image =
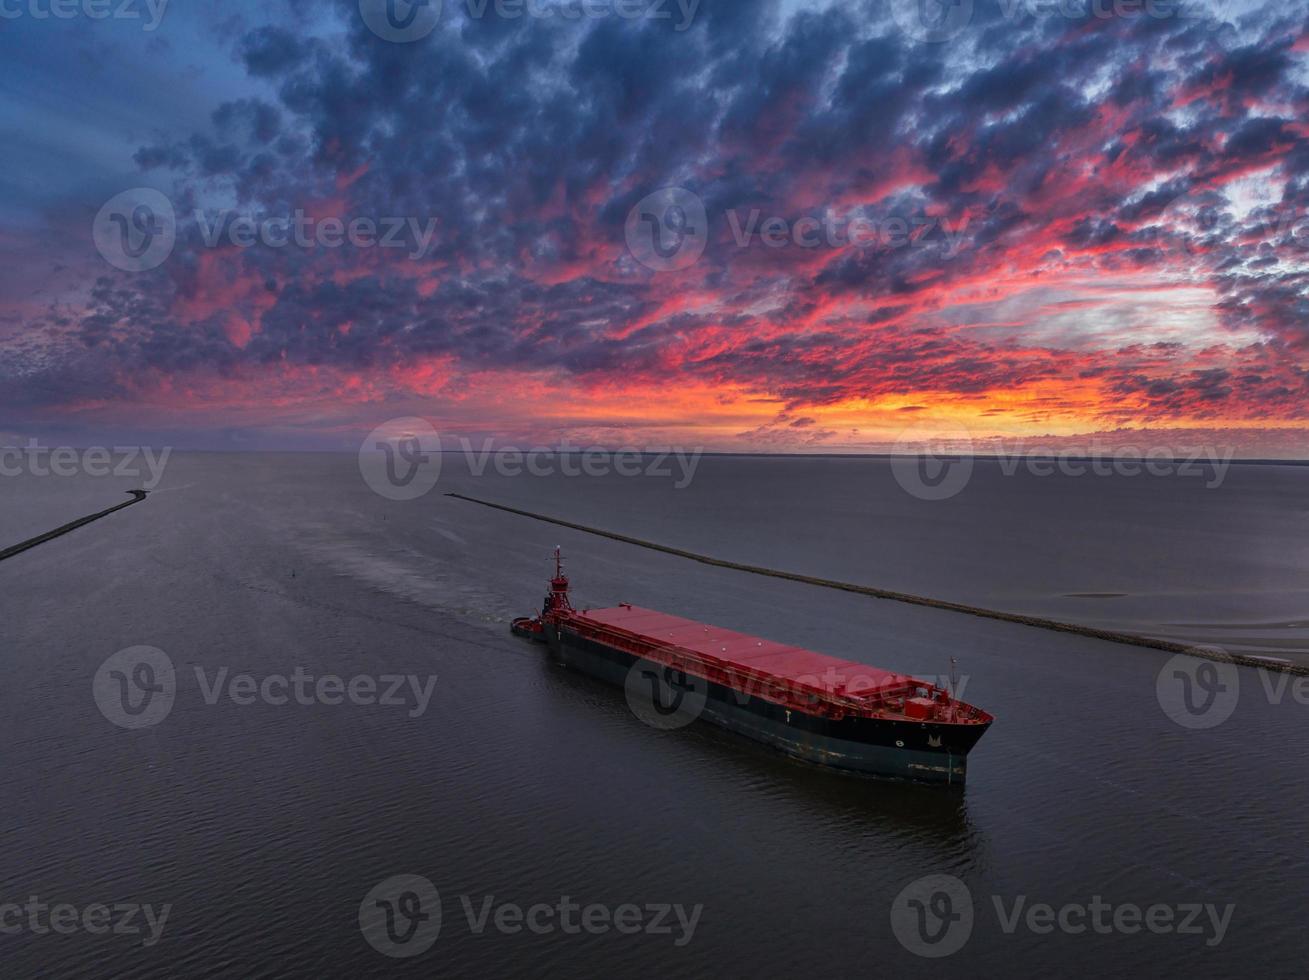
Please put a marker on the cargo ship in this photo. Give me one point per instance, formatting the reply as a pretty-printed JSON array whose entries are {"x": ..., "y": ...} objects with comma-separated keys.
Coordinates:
[{"x": 834, "y": 713}]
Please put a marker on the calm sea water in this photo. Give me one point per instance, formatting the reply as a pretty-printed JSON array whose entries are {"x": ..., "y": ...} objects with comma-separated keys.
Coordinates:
[{"x": 263, "y": 827}]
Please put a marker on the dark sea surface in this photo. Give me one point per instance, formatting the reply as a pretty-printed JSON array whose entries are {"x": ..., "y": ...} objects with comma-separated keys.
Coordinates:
[{"x": 264, "y": 826}]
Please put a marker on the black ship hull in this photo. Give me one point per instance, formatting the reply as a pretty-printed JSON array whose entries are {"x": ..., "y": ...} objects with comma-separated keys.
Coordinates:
[{"x": 924, "y": 751}]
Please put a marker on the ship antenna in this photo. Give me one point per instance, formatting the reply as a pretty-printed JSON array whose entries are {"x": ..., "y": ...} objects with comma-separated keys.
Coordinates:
[{"x": 559, "y": 563}]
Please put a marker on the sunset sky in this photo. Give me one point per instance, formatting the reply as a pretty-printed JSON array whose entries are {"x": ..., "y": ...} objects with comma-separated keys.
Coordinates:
[{"x": 1066, "y": 224}]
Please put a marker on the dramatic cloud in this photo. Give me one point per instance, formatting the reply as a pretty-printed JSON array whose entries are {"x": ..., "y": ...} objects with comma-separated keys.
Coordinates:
[{"x": 1034, "y": 222}]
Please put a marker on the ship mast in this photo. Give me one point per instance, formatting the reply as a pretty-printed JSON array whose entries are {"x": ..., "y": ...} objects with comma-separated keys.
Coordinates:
[{"x": 559, "y": 601}]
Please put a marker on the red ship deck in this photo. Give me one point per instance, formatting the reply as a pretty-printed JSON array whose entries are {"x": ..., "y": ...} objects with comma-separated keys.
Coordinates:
[{"x": 750, "y": 656}]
